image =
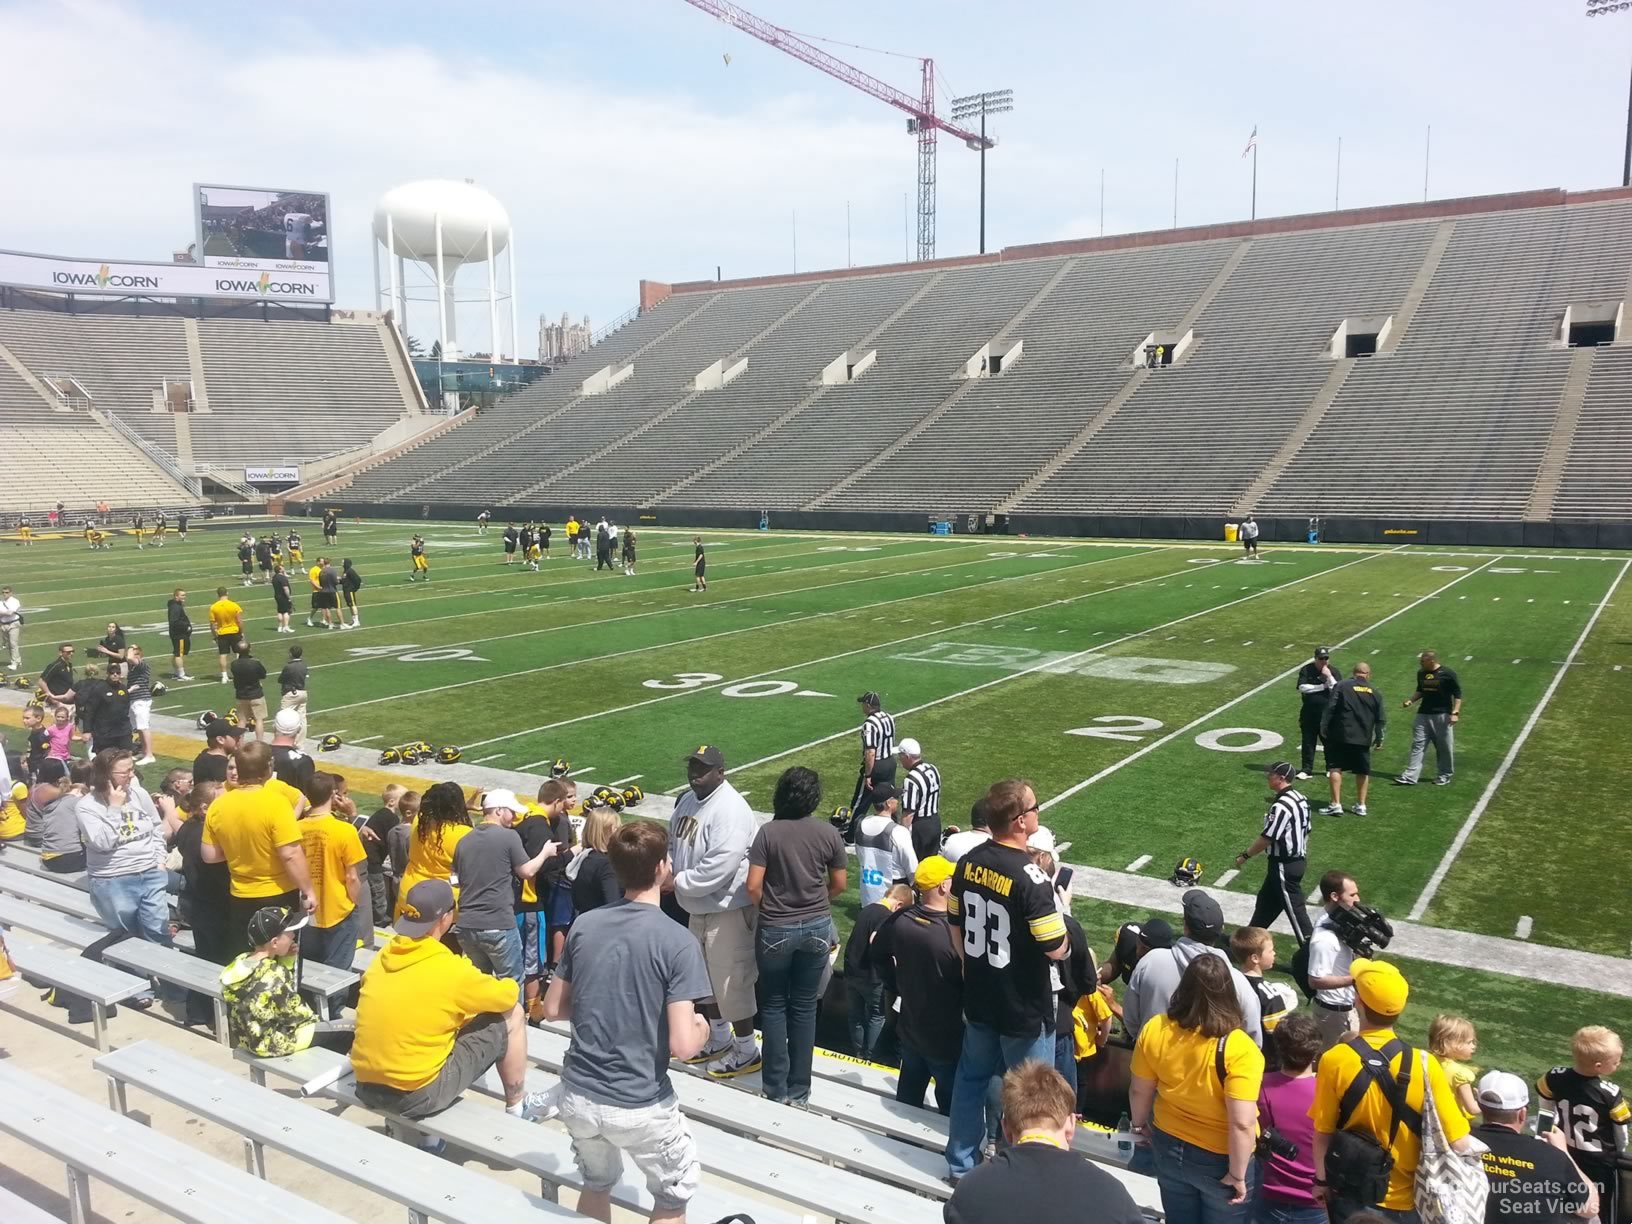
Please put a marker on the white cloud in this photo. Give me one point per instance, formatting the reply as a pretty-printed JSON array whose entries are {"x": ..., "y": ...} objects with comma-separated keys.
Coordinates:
[{"x": 602, "y": 188}]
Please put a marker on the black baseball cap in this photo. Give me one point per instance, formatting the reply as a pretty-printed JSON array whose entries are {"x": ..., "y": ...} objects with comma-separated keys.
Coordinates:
[
  {"x": 1322, "y": 652},
  {"x": 1203, "y": 916},
  {"x": 1156, "y": 933},
  {"x": 222, "y": 727},
  {"x": 882, "y": 792},
  {"x": 1283, "y": 770},
  {"x": 708, "y": 754},
  {"x": 267, "y": 924},
  {"x": 870, "y": 698}
]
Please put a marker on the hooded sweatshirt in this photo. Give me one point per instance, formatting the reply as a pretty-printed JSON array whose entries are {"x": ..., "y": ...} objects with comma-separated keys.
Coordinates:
[
  {"x": 416, "y": 996},
  {"x": 708, "y": 841},
  {"x": 1157, "y": 976},
  {"x": 265, "y": 1013}
]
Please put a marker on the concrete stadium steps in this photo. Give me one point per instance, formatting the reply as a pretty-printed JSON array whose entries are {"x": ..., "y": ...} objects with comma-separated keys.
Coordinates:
[
  {"x": 918, "y": 357},
  {"x": 1596, "y": 481},
  {"x": 77, "y": 462},
  {"x": 1456, "y": 422},
  {"x": 781, "y": 370}
]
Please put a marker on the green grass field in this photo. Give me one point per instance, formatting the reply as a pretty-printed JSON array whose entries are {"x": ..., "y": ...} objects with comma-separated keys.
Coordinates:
[{"x": 1141, "y": 686}]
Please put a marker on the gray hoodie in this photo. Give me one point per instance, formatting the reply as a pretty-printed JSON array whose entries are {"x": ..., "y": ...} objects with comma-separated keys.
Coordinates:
[
  {"x": 708, "y": 842},
  {"x": 121, "y": 841},
  {"x": 1157, "y": 976}
]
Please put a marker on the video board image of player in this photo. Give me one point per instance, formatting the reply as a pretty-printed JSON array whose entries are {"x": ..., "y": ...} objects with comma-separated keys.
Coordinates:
[{"x": 251, "y": 224}]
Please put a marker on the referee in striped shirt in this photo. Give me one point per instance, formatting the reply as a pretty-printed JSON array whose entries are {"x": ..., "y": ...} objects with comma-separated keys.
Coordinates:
[
  {"x": 921, "y": 799},
  {"x": 1286, "y": 840},
  {"x": 877, "y": 754}
]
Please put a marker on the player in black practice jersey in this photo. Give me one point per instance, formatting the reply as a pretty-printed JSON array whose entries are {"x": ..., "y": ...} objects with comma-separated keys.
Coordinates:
[
  {"x": 416, "y": 554},
  {"x": 1004, "y": 908},
  {"x": 629, "y": 551},
  {"x": 512, "y": 537},
  {"x": 263, "y": 556},
  {"x": 296, "y": 557},
  {"x": 246, "y": 559},
  {"x": 544, "y": 540},
  {"x": 1594, "y": 1118},
  {"x": 181, "y": 526},
  {"x": 699, "y": 566},
  {"x": 482, "y": 521},
  {"x": 331, "y": 526},
  {"x": 282, "y": 597}
]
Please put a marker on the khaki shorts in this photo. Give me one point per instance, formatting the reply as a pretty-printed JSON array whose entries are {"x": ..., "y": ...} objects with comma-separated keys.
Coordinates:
[
  {"x": 728, "y": 951},
  {"x": 655, "y": 1137}
]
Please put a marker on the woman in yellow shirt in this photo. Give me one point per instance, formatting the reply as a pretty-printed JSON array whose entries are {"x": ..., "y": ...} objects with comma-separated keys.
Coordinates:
[
  {"x": 442, "y": 821},
  {"x": 1196, "y": 1078}
]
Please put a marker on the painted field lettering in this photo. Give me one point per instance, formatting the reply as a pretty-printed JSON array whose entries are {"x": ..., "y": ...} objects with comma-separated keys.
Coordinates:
[
  {"x": 1261, "y": 741},
  {"x": 1154, "y": 671},
  {"x": 684, "y": 680},
  {"x": 1122, "y": 726}
]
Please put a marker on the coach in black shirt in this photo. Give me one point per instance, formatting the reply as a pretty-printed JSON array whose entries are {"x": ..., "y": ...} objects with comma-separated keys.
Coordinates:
[
  {"x": 58, "y": 676},
  {"x": 1316, "y": 680},
  {"x": 1038, "y": 1177},
  {"x": 1353, "y": 726},
  {"x": 1439, "y": 701}
]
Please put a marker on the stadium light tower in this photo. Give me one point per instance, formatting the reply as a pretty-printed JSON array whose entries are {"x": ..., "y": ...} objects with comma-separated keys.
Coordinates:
[
  {"x": 992, "y": 102},
  {"x": 1603, "y": 8}
]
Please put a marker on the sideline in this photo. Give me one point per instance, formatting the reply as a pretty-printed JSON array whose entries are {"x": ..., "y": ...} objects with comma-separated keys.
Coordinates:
[{"x": 1468, "y": 825}]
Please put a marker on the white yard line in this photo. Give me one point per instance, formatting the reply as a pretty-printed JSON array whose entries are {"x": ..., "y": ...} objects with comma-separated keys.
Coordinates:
[
  {"x": 1250, "y": 693},
  {"x": 486, "y": 759},
  {"x": 622, "y": 781},
  {"x": 1468, "y": 825},
  {"x": 776, "y": 624},
  {"x": 1067, "y": 659},
  {"x": 575, "y": 772},
  {"x": 1223, "y": 880},
  {"x": 1525, "y": 925},
  {"x": 367, "y": 739},
  {"x": 1137, "y": 863}
]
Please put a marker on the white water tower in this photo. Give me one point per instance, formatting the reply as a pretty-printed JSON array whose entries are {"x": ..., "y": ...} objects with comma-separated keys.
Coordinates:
[{"x": 444, "y": 225}]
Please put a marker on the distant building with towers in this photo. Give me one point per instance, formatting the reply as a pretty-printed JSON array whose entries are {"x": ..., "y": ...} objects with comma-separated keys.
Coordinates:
[{"x": 559, "y": 341}]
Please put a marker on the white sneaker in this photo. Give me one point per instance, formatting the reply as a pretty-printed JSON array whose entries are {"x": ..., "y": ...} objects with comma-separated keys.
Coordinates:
[
  {"x": 1303, "y": 777},
  {"x": 1360, "y": 809},
  {"x": 737, "y": 1062},
  {"x": 183, "y": 676},
  {"x": 223, "y": 677},
  {"x": 1332, "y": 809},
  {"x": 146, "y": 760}
]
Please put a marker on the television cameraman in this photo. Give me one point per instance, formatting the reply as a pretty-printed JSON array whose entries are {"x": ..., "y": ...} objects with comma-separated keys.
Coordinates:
[{"x": 1345, "y": 931}]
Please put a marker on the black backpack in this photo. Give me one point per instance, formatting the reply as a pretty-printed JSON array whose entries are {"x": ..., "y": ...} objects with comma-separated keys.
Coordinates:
[
  {"x": 1358, "y": 1165},
  {"x": 1300, "y": 970}
]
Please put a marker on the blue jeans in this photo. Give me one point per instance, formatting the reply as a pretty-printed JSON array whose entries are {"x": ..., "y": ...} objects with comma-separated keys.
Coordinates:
[
  {"x": 495, "y": 952},
  {"x": 1285, "y": 1213},
  {"x": 791, "y": 959},
  {"x": 135, "y": 904},
  {"x": 335, "y": 946},
  {"x": 1065, "y": 1058},
  {"x": 866, "y": 999},
  {"x": 1188, "y": 1178},
  {"x": 986, "y": 1053}
]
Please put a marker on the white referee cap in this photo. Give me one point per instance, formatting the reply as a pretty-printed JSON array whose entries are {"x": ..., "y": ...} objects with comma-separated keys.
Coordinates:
[{"x": 910, "y": 747}]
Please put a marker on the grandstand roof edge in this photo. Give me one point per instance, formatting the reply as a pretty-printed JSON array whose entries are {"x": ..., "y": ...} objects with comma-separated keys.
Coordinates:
[{"x": 653, "y": 292}]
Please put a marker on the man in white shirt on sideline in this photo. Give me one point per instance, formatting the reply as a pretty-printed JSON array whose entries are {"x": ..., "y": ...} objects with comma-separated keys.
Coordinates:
[
  {"x": 709, "y": 835},
  {"x": 11, "y": 628},
  {"x": 884, "y": 851},
  {"x": 1330, "y": 960}
]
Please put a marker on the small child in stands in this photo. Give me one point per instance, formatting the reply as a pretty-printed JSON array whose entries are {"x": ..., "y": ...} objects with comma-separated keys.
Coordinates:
[
  {"x": 265, "y": 1013},
  {"x": 396, "y": 843},
  {"x": 1453, "y": 1041},
  {"x": 1252, "y": 951},
  {"x": 1597, "y": 1129}
]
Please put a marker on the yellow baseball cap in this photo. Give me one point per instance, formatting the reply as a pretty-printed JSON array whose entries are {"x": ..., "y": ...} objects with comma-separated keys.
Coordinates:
[
  {"x": 1380, "y": 985},
  {"x": 933, "y": 872}
]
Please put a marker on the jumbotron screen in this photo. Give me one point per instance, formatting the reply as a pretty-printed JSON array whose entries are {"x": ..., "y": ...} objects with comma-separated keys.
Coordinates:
[{"x": 260, "y": 229}]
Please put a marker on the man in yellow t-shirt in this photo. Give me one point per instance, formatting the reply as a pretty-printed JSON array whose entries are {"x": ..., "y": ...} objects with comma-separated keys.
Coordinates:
[
  {"x": 252, "y": 830},
  {"x": 227, "y": 623},
  {"x": 1382, "y": 992},
  {"x": 430, "y": 1024},
  {"x": 333, "y": 852}
]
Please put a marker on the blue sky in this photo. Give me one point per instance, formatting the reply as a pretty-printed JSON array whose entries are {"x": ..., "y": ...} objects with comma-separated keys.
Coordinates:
[{"x": 625, "y": 146}]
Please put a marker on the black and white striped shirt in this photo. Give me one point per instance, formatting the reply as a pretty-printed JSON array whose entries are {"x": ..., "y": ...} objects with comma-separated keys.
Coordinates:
[
  {"x": 1286, "y": 826},
  {"x": 921, "y": 792},
  {"x": 878, "y": 733}
]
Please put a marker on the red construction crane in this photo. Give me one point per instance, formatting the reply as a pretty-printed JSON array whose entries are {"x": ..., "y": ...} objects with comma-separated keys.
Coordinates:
[{"x": 922, "y": 121}]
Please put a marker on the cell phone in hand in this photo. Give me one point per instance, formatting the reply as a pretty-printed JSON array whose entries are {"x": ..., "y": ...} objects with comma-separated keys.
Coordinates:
[
  {"x": 1063, "y": 879},
  {"x": 708, "y": 1009}
]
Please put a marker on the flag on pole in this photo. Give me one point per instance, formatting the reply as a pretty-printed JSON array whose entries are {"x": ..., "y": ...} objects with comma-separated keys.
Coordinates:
[{"x": 1252, "y": 141}]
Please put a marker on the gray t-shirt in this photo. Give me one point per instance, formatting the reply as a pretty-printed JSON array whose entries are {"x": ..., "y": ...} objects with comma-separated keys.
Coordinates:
[
  {"x": 123, "y": 840},
  {"x": 55, "y": 824},
  {"x": 626, "y": 963},
  {"x": 797, "y": 856},
  {"x": 485, "y": 860}
]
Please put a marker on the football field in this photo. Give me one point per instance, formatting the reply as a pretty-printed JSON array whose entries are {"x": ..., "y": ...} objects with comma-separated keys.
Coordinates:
[{"x": 1141, "y": 686}]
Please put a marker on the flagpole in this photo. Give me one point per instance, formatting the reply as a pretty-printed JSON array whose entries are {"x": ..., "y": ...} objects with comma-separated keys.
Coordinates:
[
  {"x": 1337, "y": 188},
  {"x": 1175, "y": 193},
  {"x": 1255, "y": 181}
]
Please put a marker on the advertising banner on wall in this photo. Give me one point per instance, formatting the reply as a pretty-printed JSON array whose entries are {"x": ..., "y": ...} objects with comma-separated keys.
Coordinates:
[
  {"x": 124, "y": 278},
  {"x": 272, "y": 475}
]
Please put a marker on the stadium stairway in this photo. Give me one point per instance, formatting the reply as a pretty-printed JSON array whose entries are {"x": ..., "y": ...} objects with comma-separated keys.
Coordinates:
[
  {"x": 1129, "y": 389},
  {"x": 1568, "y": 420},
  {"x": 562, "y": 481},
  {"x": 327, "y": 486},
  {"x": 733, "y": 453},
  {"x": 946, "y": 405}
]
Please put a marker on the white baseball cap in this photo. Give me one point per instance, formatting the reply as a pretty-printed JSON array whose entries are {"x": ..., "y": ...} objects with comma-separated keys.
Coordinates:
[
  {"x": 1043, "y": 839},
  {"x": 287, "y": 722},
  {"x": 494, "y": 799},
  {"x": 1503, "y": 1090},
  {"x": 910, "y": 747}
]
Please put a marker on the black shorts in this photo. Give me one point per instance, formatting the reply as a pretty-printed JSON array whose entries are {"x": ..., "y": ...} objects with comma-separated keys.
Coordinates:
[
  {"x": 182, "y": 644},
  {"x": 266, "y": 567},
  {"x": 1350, "y": 758},
  {"x": 629, "y": 556},
  {"x": 351, "y": 600},
  {"x": 245, "y": 566},
  {"x": 327, "y": 599},
  {"x": 1249, "y": 545},
  {"x": 701, "y": 568},
  {"x": 284, "y": 606},
  {"x": 227, "y": 643},
  {"x": 509, "y": 548}
]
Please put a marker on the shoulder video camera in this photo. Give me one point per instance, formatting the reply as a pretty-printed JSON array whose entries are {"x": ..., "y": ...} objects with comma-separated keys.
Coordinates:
[{"x": 1363, "y": 930}]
